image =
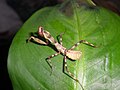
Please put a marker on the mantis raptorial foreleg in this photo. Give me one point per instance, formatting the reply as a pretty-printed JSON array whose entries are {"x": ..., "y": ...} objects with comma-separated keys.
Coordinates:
[{"x": 37, "y": 40}]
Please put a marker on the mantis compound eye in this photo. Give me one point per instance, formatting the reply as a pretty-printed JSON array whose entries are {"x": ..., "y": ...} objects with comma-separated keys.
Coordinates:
[{"x": 40, "y": 31}]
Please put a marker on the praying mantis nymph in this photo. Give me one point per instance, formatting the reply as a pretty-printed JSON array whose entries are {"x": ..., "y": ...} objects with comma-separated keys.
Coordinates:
[{"x": 67, "y": 53}]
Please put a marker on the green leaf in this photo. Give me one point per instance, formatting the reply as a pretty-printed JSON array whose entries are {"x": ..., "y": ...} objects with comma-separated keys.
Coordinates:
[{"x": 97, "y": 69}]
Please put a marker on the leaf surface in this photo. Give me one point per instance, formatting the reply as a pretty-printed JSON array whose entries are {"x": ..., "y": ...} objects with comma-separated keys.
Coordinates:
[{"x": 97, "y": 69}]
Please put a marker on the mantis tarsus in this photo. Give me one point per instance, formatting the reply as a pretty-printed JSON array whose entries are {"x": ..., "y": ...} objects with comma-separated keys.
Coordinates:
[{"x": 67, "y": 53}]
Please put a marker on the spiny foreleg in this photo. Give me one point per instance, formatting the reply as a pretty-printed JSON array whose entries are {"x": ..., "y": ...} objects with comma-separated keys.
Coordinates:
[{"x": 37, "y": 40}]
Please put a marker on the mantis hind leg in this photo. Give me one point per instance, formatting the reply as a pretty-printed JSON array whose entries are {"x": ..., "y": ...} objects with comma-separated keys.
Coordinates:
[
  {"x": 84, "y": 42},
  {"x": 65, "y": 68}
]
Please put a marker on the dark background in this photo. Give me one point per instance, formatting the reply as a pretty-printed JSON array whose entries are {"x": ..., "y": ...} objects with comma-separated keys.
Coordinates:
[{"x": 13, "y": 13}]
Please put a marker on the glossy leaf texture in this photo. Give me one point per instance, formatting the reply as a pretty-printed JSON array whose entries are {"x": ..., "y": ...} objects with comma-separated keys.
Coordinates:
[{"x": 97, "y": 69}]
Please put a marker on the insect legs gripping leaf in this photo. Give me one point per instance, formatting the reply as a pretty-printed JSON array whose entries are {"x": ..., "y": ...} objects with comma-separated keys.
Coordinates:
[{"x": 67, "y": 53}]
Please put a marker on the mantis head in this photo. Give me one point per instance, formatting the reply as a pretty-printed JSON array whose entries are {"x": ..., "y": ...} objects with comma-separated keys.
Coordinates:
[{"x": 43, "y": 33}]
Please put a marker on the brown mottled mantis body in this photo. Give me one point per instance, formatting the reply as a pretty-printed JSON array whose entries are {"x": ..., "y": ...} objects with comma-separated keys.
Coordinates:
[{"x": 67, "y": 53}]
